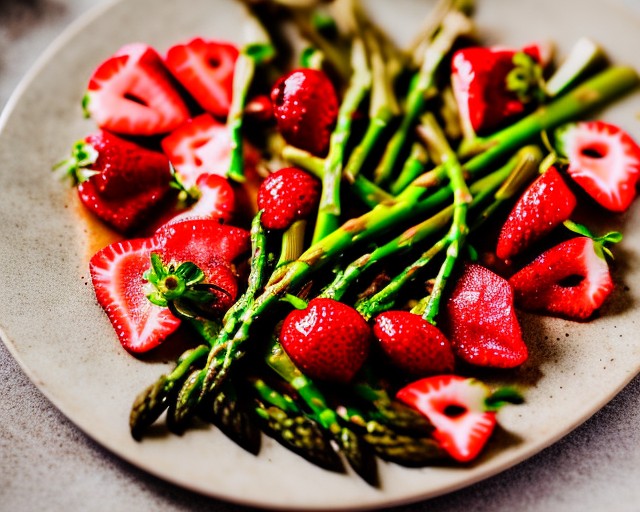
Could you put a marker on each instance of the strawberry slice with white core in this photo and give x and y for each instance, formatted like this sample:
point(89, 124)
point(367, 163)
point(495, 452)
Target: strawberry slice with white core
point(131, 93)
point(216, 201)
point(203, 146)
point(205, 69)
point(456, 406)
point(571, 280)
point(603, 159)
point(116, 272)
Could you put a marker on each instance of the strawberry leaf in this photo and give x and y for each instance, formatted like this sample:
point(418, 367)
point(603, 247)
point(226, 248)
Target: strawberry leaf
point(503, 396)
point(579, 229)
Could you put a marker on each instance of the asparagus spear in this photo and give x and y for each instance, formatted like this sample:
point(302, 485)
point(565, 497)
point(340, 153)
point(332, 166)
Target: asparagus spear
point(250, 57)
point(454, 25)
point(359, 85)
point(283, 420)
point(358, 454)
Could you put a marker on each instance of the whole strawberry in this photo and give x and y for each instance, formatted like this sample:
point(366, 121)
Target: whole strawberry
point(483, 327)
point(493, 86)
point(546, 204)
point(305, 106)
point(571, 280)
point(328, 340)
point(287, 195)
point(412, 344)
point(603, 159)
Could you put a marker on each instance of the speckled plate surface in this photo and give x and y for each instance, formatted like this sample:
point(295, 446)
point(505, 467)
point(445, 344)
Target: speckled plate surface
point(53, 326)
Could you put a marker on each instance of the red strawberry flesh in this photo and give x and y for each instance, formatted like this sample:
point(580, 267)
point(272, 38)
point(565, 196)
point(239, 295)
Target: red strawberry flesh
point(124, 167)
point(604, 160)
point(569, 280)
point(117, 275)
point(205, 68)
point(203, 146)
point(483, 327)
point(116, 272)
point(132, 93)
point(456, 408)
point(546, 203)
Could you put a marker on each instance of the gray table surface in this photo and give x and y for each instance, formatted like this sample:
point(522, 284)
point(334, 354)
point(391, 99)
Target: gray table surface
point(46, 463)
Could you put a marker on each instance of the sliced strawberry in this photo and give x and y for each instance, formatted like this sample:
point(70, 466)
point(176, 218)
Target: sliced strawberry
point(216, 201)
point(287, 195)
point(603, 159)
point(116, 272)
point(203, 146)
point(205, 69)
point(546, 203)
point(483, 327)
point(305, 105)
point(456, 406)
point(571, 280)
point(328, 340)
point(494, 86)
point(412, 344)
point(132, 93)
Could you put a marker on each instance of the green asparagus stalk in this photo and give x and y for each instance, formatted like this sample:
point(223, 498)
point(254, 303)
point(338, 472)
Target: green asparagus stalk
point(153, 401)
point(516, 172)
point(383, 105)
point(413, 167)
point(359, 86)
point(250, 57)
point(365, 190)
point(358, 454)
point(462, 198)
point(283, 420)
point(454, 25)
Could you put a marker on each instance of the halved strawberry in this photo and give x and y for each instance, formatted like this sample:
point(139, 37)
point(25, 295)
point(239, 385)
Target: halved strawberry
point(305, 106)
point(457, 408)
point(328, 340)
point(202, 241)
point(215, 201)
point(287, 195)
point(546, 203)
point(603, 159)
point(132, 93)
point(205, 69)
point(571, 280)
point(120, 181)
point(412, 344)
point(203, 146)
point(124, 214)
point(117, 275)
point(481, 319)
point(494, 86)
point(116, 272)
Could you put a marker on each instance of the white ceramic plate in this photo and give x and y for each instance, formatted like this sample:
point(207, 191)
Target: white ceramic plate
point(53, 326)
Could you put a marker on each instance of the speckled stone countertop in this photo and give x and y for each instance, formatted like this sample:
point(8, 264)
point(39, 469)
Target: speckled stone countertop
point(46, 463)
